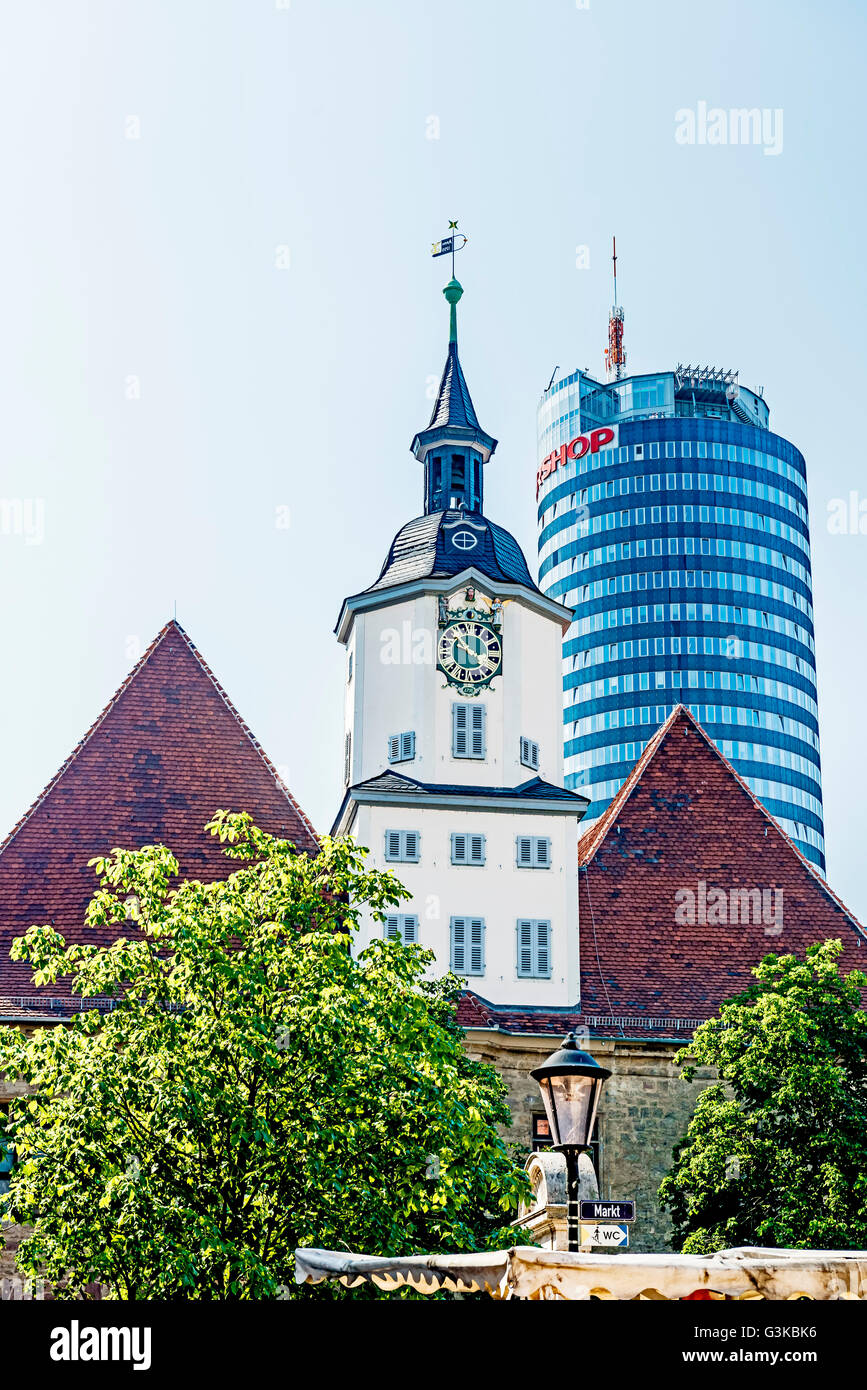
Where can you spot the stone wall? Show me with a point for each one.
(644, 1112)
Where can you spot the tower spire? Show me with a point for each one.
(453, 292)
(454, 448)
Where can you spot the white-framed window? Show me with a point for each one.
(402, 846)
(467, 945)
(468, 849)
(468, 730)
(401, 747)
(533, 948)
(401, 926)
(532, 852)
(530, 753)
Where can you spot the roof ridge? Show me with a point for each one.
(595, 834)
(173, 627)
(813, 870)
(599, 831)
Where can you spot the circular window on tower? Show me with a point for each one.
(464, 540)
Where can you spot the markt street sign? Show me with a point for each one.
(607, 1210)
(599, 1234)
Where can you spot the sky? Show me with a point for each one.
(221, 323)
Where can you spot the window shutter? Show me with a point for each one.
(525, 948)
(394, 748)
(411, 839)
(458, 964)
(407, 746)
(530, 753)
(478, 731)
(347, 758)
(477, 946)
(543, 853)
(543, 949)
(403, 927)
(459, 730)
(477, 849)
(525, 851)
(392, 844)
(459, 849)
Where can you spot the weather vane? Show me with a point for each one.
(449, 244)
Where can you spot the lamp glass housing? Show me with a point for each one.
(570, 1104)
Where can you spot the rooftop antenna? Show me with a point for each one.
(615, 357)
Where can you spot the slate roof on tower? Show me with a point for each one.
(454, 405)
(683, 818)
(424, 549)
(167, 751)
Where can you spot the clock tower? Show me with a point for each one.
(453, 742)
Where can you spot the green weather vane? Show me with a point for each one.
(449, 245)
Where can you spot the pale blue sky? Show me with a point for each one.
(263, 126)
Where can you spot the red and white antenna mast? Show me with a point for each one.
(615, 357)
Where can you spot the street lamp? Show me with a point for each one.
(571, 1084)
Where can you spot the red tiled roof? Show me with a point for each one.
(682, 817)
(166, 752)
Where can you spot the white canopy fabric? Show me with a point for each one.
(526, 1272)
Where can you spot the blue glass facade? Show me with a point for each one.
(684, 549)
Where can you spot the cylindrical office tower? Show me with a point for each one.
(675, 524)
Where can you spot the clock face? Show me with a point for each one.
(469, 653)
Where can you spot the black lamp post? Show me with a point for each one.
(571, 1084)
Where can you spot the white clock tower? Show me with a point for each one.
(454, 731)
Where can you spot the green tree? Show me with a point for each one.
(253, 1087)
(776, 1151)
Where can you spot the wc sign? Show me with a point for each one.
(576, 448)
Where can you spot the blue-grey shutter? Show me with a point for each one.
(458, 953)
(407, 746)
(394, 748)
(477, 849)
(411, 841)
(392, 927)
(460, 724)
(542, 852)
(476, 964)
(410, 930)
(477, 745)
(525, 947)
(542, 963)
(529, 753)
(459, 849)
(524, 851)
(347, 758)
(392, 844)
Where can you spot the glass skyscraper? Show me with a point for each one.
(674, 522)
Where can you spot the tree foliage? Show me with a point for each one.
(255, 1085)
(776, 1151)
